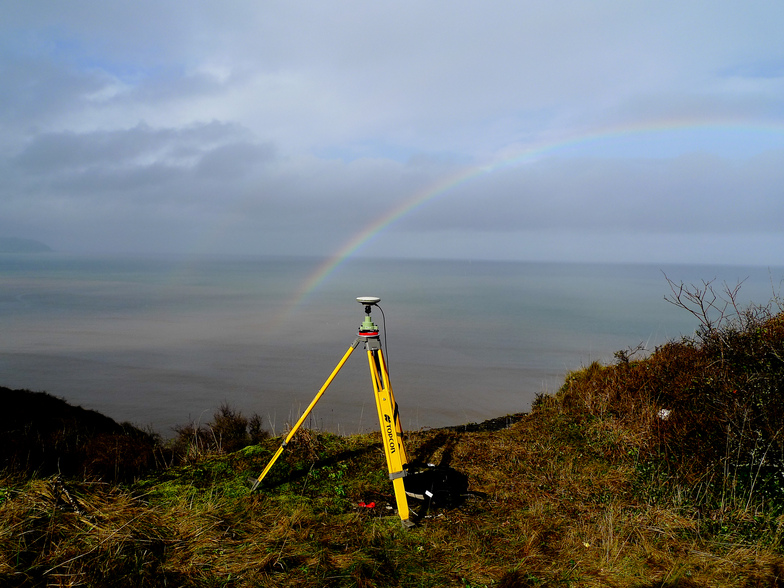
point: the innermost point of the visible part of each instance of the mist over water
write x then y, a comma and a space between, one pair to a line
159, 342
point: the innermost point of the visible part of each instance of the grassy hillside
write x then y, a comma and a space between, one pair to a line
43, 435
665, 470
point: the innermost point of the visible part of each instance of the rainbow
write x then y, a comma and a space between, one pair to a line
519, 156
378, 225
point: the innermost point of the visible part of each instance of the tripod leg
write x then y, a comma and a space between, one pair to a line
398, 425
391, 430
305, 414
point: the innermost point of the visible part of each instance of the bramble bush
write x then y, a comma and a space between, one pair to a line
229, 431
707, 409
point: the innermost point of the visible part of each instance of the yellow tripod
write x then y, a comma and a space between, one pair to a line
388, 416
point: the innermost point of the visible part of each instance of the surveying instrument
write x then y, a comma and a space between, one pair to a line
388, 416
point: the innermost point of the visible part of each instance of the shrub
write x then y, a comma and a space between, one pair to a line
229, 431
722, 392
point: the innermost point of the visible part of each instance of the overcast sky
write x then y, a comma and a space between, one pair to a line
557, 130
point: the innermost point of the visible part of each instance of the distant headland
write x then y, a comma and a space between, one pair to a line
17, 245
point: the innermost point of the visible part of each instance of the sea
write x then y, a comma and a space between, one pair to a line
162, 342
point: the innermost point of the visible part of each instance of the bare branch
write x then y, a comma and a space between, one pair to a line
711, 309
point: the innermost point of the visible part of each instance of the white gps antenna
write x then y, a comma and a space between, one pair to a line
368, 300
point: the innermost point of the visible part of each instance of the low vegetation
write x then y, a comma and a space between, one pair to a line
663, 469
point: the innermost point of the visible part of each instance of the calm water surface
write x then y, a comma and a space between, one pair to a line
160, 342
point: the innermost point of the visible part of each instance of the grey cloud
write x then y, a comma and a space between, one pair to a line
296, 206
431, 75
71, 152
691, 193
35, 90
202, 175
234, 160
328, 117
